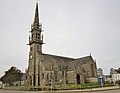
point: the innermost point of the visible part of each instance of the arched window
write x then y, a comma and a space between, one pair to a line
55, 75
51, 75
62, 74
43, 75
38, 47
48, 76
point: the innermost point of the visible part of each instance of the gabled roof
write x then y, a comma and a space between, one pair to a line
50, 60
78, 61
84, 60
58, 58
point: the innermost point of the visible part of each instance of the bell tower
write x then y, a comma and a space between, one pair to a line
35, 43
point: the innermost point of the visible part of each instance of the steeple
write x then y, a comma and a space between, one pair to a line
36, 18
35, 53
36, 29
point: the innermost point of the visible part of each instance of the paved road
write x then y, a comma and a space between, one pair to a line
110, 91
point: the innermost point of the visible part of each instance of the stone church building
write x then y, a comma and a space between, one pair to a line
46, 69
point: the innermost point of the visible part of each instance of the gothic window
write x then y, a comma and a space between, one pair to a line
37, 36
43, 75
48, 76
37, 47
62, 74
51, 75
55, 75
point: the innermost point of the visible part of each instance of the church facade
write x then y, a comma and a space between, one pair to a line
46, 69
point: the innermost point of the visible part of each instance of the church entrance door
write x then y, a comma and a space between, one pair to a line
78, 79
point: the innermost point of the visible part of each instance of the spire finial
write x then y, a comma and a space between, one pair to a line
90, 54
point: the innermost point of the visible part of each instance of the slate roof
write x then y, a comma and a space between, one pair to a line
61, 61
50, 60
78, 61
84, 60
56, 58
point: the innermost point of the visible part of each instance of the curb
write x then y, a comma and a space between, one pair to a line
93, 90
84, 90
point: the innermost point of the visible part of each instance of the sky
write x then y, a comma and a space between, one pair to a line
72, 28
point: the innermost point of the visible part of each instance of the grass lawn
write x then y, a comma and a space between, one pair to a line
56, 87
84, 86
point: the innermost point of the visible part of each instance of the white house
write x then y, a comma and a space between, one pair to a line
115, 77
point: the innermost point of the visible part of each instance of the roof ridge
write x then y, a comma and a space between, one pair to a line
58, 56
83, 57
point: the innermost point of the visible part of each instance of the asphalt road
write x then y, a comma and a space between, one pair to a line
110, 91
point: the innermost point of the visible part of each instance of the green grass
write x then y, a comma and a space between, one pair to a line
80, 86
22, 88
56, 87
83, 86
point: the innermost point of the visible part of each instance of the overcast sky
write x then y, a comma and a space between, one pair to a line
72, 28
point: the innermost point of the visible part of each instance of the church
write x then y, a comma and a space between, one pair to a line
48, 69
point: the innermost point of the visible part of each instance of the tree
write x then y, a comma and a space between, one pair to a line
12, 75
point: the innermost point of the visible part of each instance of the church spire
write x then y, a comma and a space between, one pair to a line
36, 28
35, 54
36, 18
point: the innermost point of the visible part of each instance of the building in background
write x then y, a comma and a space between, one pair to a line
101, 78
108, 79
99, 72
115, 74
115, 77
112, 71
